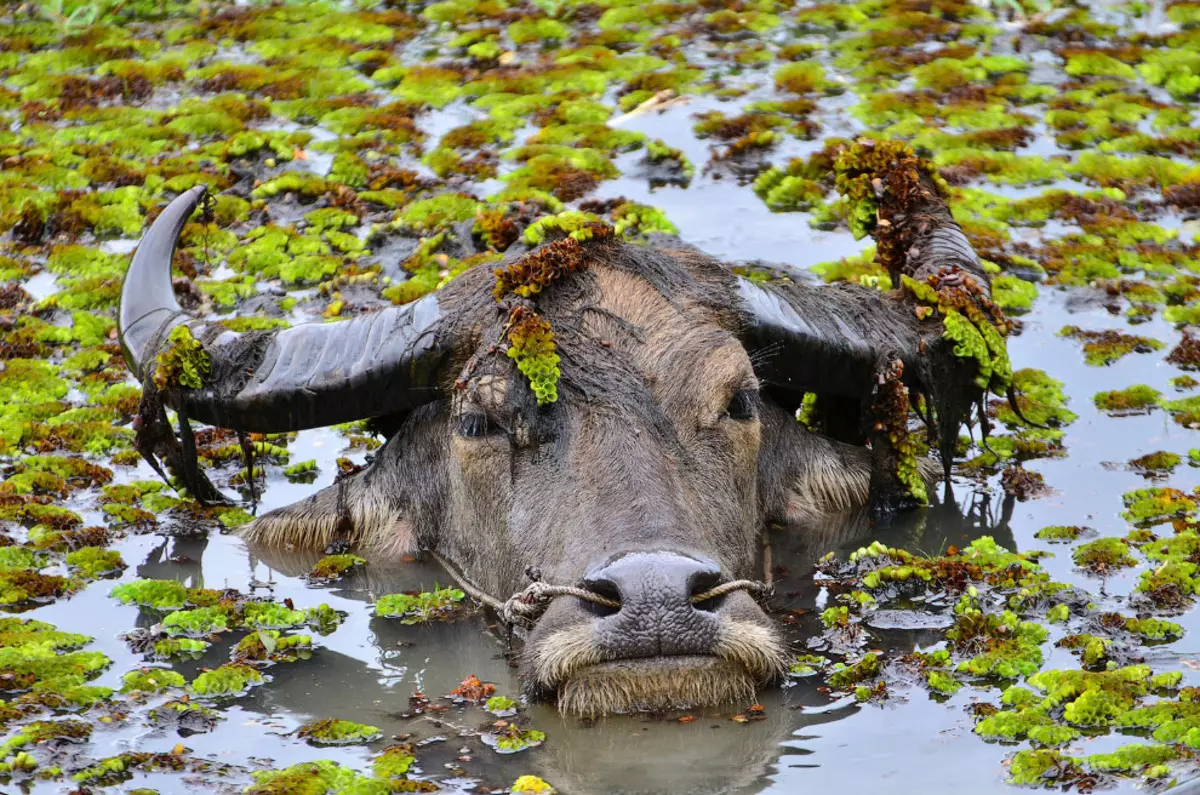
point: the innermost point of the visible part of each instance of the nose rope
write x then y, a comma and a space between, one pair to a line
527, 605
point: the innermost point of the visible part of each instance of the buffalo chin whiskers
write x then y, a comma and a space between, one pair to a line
673, 683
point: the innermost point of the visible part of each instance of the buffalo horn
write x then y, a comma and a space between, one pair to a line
307, 376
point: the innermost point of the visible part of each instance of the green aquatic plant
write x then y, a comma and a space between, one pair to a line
511, 739
1136, 399
183, 363
93, 562
162, 594
231, 679
439, 604
331, 731
333, 567
151, 680
1103, 555
196, 623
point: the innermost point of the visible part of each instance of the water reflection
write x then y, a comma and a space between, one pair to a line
620, 754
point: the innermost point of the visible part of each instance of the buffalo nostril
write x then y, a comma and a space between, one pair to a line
701, 583
605, 589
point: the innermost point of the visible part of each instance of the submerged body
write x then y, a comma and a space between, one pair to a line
669, 445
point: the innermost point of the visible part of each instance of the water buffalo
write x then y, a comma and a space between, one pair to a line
644, 483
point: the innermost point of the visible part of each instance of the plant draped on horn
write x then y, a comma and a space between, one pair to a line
307, 376
939, 337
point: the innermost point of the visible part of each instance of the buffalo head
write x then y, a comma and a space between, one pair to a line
660, 439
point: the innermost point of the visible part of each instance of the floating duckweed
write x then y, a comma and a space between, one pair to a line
333, 567
394, 762
1105, 347
151, 680
1136, 399
269, 615
807, 665
439, 604
331, 731
310, 778
179, 647
161, 594
1007, 646
1040, 767
1059, 533
846, 677
531, 785
501, 706
93, 562
1103, 555
513, 739
196, 623
1158, 463
231, 679
1132, 758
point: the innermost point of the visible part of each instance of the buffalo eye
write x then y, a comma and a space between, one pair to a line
742, 405
473, 425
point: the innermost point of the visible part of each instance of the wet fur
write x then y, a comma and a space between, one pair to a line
650, 304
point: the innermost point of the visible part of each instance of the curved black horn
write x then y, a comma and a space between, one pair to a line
307, 376
828, 339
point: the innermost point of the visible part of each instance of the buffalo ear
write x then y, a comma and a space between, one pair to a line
355, 510
805, 477
389, 509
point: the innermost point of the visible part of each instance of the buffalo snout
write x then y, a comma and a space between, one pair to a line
658, 614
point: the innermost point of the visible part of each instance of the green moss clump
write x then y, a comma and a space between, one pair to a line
333, 567
1103, 555
173, 648
1105, 347
1039, 768
157, 594
151, 680
1156, 463
532, 347
439, 604
268, 615
94, 562
846, 677
331, 731
513, 739
308, 778
394, 762
183, 363
231, 679
1059, 533
1137, 399
1132, 758
196, 623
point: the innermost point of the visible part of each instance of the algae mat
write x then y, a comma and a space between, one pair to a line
363, 155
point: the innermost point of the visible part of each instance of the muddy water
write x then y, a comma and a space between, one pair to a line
367, 670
